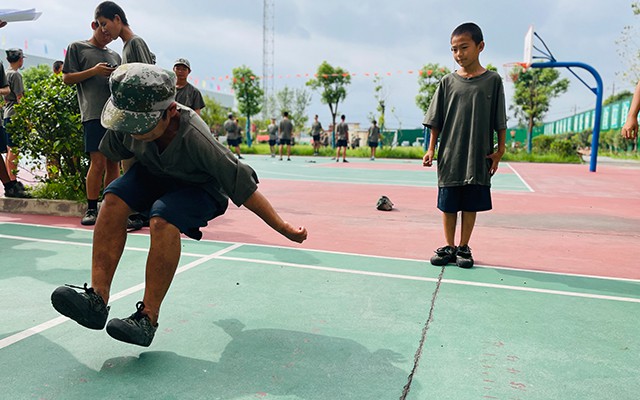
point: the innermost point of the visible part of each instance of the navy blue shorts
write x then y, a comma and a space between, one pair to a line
373, 144
272, 142
286, 142
7, 136
316, 138
93, 134
186, 206
234, 142
464, 198
3, 140
341, 143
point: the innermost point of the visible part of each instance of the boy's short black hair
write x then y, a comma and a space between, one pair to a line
109, 10
285, 114
470, 29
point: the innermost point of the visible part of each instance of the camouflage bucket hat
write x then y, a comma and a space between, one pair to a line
139, 95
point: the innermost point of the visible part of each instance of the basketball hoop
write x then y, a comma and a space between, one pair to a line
513, 70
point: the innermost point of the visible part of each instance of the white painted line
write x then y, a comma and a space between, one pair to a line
520, 177
426, 279
8, 341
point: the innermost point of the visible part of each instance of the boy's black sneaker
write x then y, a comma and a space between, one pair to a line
463, 257
90, 217
16, 190
137, 329
444, 255
86, 308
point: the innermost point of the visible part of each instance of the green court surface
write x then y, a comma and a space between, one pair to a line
245, 321
358, 170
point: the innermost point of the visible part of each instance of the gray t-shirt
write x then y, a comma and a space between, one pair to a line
136, 50
468, 112
94, 92
316, 128
343, 131
17, 89
190, 96
374, 134
193, 156
231, 128
285, 128
272, 129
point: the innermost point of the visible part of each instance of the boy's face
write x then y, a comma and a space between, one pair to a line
110, 27
181, 71
99, 36
465, 51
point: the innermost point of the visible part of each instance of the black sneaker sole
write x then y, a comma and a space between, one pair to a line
64, 301
464, 263
121, 331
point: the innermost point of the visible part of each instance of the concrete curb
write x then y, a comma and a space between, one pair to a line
62, 208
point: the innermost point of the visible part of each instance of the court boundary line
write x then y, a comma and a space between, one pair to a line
17, 337
520, 177
444, 280
479, 266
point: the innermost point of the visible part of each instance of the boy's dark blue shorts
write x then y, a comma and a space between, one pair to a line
341, 143
464, 198
373, 144
285, 142
93, 134
272, 142
234, 142
186, 206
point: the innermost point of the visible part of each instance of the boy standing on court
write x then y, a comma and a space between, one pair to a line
343, 139
316, 131
467, 108
285, 130
183, 178
272, 130
16, 91
186, 94
88, 64
372, 138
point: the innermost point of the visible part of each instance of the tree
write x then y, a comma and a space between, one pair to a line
428, 80
534, 90
628, 48
295, 102
332, 84
213, 113
248, 93
625, 94
380, 93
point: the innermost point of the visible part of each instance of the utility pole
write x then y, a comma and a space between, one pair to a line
267, 58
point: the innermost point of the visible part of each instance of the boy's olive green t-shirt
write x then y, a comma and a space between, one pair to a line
467, 111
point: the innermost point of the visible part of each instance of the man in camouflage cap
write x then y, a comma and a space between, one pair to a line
182, 179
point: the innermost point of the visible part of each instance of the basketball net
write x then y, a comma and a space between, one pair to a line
513, 70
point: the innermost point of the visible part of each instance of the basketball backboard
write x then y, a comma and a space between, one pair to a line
528, 47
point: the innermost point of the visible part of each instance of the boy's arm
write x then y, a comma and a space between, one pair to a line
427, 160
630, 128
260, 206
495, 157
71, 78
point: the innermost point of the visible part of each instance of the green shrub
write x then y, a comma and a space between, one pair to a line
48, 130
542, 143
563, 147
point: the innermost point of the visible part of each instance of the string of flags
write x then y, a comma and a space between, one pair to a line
213, 82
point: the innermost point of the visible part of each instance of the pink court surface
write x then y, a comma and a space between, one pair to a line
356, 311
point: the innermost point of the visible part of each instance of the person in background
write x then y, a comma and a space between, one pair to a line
186, 93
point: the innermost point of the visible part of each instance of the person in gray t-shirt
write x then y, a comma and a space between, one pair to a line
342, 141
316, 131
234, 135
272, 130
285, 129
88, 64
373, 138
16, 86
186, 94
183, 179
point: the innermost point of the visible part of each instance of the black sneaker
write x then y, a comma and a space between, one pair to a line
134, 223
89, 217
444, 255
87, 309
17, 191
137, 329
463, 257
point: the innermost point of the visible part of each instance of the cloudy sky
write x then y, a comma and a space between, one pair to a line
387, 37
